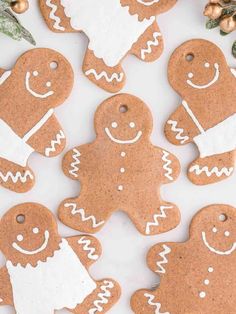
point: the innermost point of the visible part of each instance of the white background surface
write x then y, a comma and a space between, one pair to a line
124, 249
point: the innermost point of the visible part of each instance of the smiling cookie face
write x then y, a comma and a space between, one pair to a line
123, 120
215, 226
195, 66
28, 234
45, 76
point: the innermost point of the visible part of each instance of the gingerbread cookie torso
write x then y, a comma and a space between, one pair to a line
114, 28
121, 170
197, 276
40, 81
45, 272
199, 73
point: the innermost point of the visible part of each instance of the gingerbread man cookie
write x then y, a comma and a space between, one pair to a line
45, 272
115, 28
40, 81
121, 170
197, 276
199, 73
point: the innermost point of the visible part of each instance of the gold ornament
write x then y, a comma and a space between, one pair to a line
20, 6
213, 11
228, 24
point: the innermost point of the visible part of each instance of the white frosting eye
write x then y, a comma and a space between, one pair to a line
20, 237
190, 75
114, 125
227, 233
207, 65
48, 84
35, 73
132, 125
35, 230
214, 230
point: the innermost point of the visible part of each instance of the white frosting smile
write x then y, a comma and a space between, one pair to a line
213, 81
148, 3
118, 141
212, 249
40, 249
31, 91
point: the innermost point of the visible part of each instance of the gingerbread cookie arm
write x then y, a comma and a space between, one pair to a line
170, 166
87, 248
6, 296
49, 140
149, 47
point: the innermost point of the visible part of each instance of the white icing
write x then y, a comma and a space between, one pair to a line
166, 251
74, 165
122, 170
202, 294
156, 217
166, 166
218, 252
57, 141
118, 141
206, 282
4, 77
227, 233
111, 29
210, 269
32, 92
35, 230
17, 176
59, 282
87, 247
53, 16
150, 43
132, 125
157, 305
102, 297
103, 74
123, 154
148, 3
214, 230
179, 132
209, 172
213, 81
114, 125
120, 188
192, 116
36, 251
81, 212
20, 237
233, 71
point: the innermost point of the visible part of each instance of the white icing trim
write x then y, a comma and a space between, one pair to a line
87, 247
155, 222
40, 249
4, 77
156, 304
75, 163
192, 116
164, 260
81, 211
98, 76
102, 297
218, 252
150, 43
213, 81
33, 93
131, 141
17, 176
233, 71
179, 131
215, 170
166, 166
57, 141
53, 16
148, 3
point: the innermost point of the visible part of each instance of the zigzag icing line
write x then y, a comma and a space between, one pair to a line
55, 142
81, 211
167, 163
75, 163
179, 132
155, 222
53, 16
215, 170
103, 297
86, 247
17, 176
98, 76
150, 43
156, 304
164, 260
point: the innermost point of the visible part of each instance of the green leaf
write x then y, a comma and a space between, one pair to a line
223, 33
212, 23
10, 28
234, 49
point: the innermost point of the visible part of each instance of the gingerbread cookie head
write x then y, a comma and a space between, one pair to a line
196, 66
123, 119
43, 76
214, 229
28, 234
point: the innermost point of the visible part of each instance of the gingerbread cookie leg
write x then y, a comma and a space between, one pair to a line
112, 79
6, 297
14, 177
150, 45
212, 169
